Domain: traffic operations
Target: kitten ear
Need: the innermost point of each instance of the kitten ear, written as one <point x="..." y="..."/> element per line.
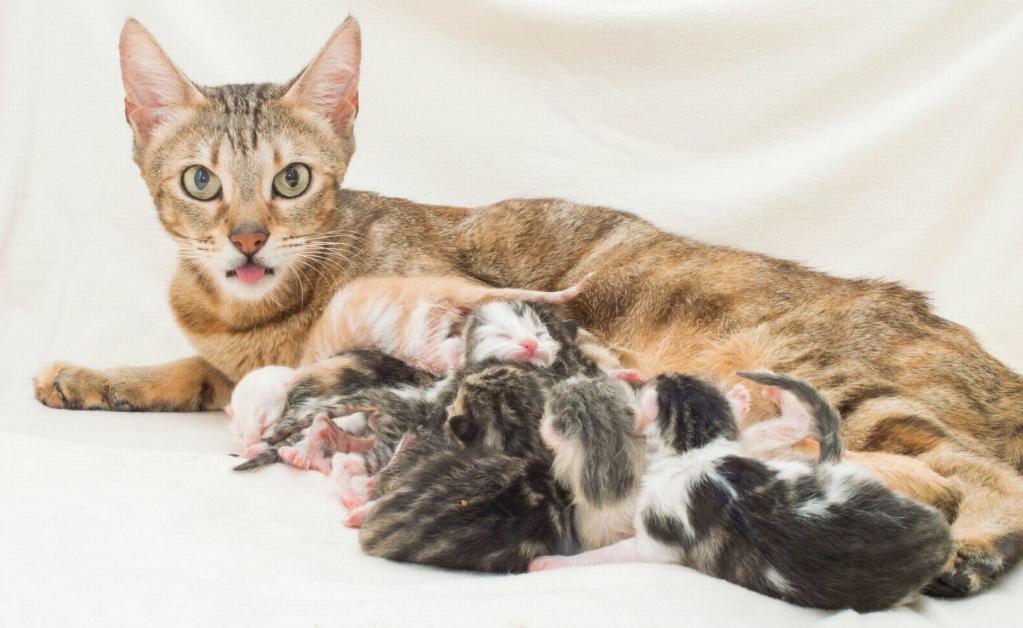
<point x="330" y="84"/>
<point x="153" y="88"/>
<point x="647" y="409"/>
<point x="463" y="427"/>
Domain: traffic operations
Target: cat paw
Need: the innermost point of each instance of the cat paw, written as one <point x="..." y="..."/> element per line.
<point x="976" y="566"/>
<point x="297" y="458"/>
<point x="62" y="385"/>
<point x="356" y="517"/>
<point x="739" y="399"/>
<point x="254" y="450"/>
<point x="633" y="376"/>
<point x="351" y="498"/>
<point x="547" y="563"/>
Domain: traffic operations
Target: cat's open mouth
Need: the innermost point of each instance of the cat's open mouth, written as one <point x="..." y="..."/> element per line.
<point x="250" y="273"/>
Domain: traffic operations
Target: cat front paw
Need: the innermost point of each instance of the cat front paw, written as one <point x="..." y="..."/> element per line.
<point x="62" y="385"/>
<point x="976" y="566"/>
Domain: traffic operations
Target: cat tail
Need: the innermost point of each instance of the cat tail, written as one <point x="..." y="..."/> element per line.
<point x="828" y="421"/>
<point x="261" y="460"/>
<point x="488" y="295"/>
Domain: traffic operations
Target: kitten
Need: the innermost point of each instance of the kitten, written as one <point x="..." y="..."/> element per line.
<point x="477" y="509"/>
<point x="588" y="424"/>
<point x="328" y="387"/>
<point x="825" y="535"/>
<point x="415" y="319"/>
<point x="533" y="332"/>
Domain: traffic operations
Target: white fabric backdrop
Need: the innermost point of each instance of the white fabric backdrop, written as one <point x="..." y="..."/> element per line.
<point x="869" y="138"/>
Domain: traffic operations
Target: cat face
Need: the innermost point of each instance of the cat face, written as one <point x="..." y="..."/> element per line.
<point x="245" y="177"/>
<point x="677" y="413"/>
<point x="510" y="331"/>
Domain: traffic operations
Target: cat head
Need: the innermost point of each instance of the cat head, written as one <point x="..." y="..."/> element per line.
<point x="678" y="413"/>
<point x="245" y="177"/>
<point x="498" y="407"/>
<point x="509" y="331"/>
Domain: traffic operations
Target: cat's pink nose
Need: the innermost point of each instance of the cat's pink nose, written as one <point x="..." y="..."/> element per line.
<point x="529" y="345"/>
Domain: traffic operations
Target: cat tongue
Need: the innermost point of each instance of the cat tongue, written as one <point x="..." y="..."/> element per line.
<point x="250" y="272"/>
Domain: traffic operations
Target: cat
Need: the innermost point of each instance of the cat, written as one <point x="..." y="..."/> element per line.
<point x="824" y="535"/>
<point x="415" y="319"/>
<point x="334" y="386"/>
<point x="587" y="423"/>
<point x="662" y="301"/>
<point x="477" y="509"/>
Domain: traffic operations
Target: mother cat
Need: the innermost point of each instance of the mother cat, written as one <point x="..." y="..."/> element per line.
<point x="247" y="179"/>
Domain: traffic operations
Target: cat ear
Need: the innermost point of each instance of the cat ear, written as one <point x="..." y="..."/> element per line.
<point x="463" y="427"/>
<point x="330" y="84"/>
<point x="153" y="88"/>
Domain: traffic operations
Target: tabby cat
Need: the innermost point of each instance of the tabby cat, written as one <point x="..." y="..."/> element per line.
<point x="247" y="180"/>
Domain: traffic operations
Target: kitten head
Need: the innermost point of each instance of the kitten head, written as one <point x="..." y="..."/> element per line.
<point x="245" y="177"/>
<point x="588" y="424"/>
<point x="508" y="331"/>
<point x="499" y="407"/>
<point x="678" y="413"/>
<point x="257" y="402"/>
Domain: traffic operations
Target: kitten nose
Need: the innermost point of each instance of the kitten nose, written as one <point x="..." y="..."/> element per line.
<point x="529" y="344"/>
<point x="248" y="238"/>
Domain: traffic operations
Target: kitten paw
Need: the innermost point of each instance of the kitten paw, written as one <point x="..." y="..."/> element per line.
<point x="976" y="566"/>
<point x="297" y="458"/>
<point x="356" y="517"/>
<point x="254" y="450"/>
<point x="739" y="399"/>
<point x="628" y="375"/>
<point x="62" y="385"/>
<point x="547" y="563"/>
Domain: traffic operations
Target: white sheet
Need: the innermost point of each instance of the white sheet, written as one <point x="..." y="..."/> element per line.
<point x="868" y="138"/>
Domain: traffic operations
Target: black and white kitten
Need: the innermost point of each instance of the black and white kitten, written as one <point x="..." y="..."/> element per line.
<point x="822" y="534"/>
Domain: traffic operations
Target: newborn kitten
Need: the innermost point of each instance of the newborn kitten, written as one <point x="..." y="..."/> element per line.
<point x="825" y="535"/>
<point x="415" y="319"/>
<point x="476" y="509"/>
<point x="588" y="424"/>
<point x="257" y="403"/>
<point x="534" y="333"/>
<point x="328" y="387"/>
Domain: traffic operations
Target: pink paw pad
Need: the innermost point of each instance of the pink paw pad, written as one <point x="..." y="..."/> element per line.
<point x="546" y="563"/>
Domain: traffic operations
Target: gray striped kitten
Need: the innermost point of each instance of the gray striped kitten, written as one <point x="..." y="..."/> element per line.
<point x="588" y="424"/>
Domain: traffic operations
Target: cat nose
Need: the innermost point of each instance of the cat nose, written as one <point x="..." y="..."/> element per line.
<point x="529" y="344"/>
<point x="248" y="238"/>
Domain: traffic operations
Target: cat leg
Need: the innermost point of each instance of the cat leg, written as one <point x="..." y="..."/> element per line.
<point x="182" y="386"/>
<point x="988" y="531"/>
<point x="630" y="550"/>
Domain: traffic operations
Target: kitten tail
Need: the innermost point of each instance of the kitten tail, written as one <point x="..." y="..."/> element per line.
<point x="828" y="421"/>
<point x="267" y="457"/>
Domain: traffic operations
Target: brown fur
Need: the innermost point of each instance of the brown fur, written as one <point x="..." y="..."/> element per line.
<point x="909" y="381"/>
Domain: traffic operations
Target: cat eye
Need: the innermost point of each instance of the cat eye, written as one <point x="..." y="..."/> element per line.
<point x="200" y="183"/>
<point x="292" y="181"/>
